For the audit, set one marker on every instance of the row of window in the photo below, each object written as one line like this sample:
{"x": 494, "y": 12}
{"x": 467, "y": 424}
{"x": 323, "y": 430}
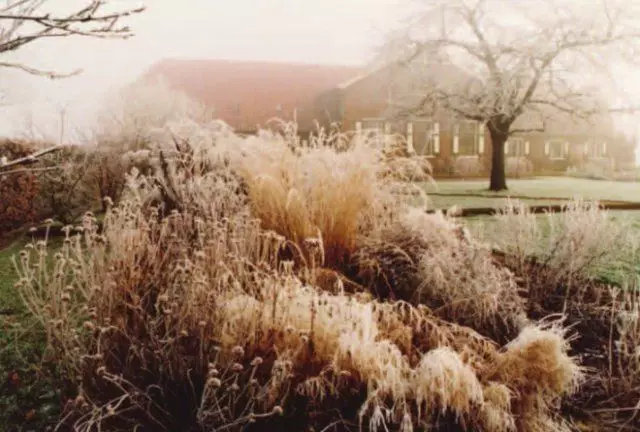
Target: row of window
{"x": 469, "y": 139}
{"x": 554, "y": 148}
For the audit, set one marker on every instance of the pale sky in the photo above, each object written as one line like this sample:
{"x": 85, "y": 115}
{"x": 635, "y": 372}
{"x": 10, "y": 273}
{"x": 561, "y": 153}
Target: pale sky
{"x": 326, "y": 31}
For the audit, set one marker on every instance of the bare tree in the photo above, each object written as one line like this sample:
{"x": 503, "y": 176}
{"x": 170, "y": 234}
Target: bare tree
{"x": 525, "y": 61}
{"x": 26, "y": 21}
{"x": 23, "y": 22}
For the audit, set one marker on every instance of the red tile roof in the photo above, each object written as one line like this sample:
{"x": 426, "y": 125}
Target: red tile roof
{"x": 246, "y": 94}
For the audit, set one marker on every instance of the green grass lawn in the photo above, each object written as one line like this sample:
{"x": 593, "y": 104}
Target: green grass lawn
{"x": 29, "y": 395}
{"x": 445, "y": 202}
{"x": 543, "y": 187}
{"x": 624, "y": 271}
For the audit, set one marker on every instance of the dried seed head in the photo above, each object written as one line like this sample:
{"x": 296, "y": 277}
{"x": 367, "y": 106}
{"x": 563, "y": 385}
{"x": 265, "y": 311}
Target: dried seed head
{"x": 256, "y": 361}
{"x": 65, "y": 297}
{"x": 234, "y": 387}
{"x": 277, "y": 410}
{"x": 88, "y": 325}
{"x": 184, "y": 333}
{"x": 214, "y": 382}
{"x": 237, "y": 367}
{"x": 237, "y": 351}
{"x": 202, "y": 323}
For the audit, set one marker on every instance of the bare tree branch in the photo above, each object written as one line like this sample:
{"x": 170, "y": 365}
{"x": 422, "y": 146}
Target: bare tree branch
{"x": 27, "y": 160}
{"x": 29, "y": 170}
{"x": 23, "y": 22}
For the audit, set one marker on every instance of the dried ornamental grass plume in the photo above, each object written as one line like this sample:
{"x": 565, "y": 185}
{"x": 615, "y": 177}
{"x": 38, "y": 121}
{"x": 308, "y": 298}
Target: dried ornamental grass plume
{"x": 428, "y": 259}
{"x": 298, "y": 191}
{"x": 190, "y": 318}
{"x": 495, "y": 413}
{"x": 560, "y": 248}
{"x": 443, "y": 380}
{"x": 536, "y": 366}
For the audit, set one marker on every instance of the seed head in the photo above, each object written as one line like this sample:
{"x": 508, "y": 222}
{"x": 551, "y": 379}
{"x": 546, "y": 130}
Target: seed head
{"x": 277, "y": 410}
{"x": 214, "y": 382}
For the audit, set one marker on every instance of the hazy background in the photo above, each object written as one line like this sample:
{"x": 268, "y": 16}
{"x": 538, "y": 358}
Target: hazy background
{"x": 310, "y": 31}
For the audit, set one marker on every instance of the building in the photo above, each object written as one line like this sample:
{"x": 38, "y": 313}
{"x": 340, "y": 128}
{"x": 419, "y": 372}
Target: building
{"x": 247, "y": 95}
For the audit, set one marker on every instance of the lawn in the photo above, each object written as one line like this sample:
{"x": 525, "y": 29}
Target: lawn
{"x": 537, "y": 191}
{"x": 484, "y": 227}
{"x": 29, "y": 397}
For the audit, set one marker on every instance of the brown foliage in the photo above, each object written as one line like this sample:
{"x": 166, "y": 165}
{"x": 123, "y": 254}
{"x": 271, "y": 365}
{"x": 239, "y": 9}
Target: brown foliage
{"x": 17, "y": 191}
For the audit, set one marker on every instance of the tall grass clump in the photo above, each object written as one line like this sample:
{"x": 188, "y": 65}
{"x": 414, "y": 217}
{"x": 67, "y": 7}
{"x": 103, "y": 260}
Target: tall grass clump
{"x": 570, "y": 247}
{"x": 429, "y": 259}
{"x": 314, "y": 190}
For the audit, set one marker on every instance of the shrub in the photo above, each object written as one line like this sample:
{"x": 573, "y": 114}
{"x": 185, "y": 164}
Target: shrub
{"x": 226, "y": 337}
{"x": 429, "y": 259}
{"x": 314, "y": 191}
{"x": 129, "y": 116}
{"x": 409, "y": 169}
{"x": 467, "y": 166}
{"x": 17, "y": 190}
{"x": 566, "y": 248}
{"x": 66, "y": 190}
{"x": 191, "y": 319}
{"x": 518, "y": 166}
{"x": 591, "y": 170}
{"x": 106, "y": 174}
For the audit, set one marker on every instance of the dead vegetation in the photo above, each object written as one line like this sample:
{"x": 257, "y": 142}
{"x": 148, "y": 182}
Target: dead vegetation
{"x": 256, "y": 284}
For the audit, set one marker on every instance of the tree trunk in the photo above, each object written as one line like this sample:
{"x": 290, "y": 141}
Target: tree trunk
{"x": 498, "y": 180}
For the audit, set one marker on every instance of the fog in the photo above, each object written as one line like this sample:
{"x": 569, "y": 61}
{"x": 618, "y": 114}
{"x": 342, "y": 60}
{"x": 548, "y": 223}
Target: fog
{"x": 310, "y": 31}
{"x": 327, "y": 31}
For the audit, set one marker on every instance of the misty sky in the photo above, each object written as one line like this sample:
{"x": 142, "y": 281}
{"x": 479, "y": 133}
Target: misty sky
{"x": 312, "y": 31}
{"x": 327, "y": 31}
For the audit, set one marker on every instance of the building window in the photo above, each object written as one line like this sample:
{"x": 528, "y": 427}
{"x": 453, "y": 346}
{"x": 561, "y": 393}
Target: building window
{"x": 595, "y": 149}
{"x": 375, "y": 129}
{"x": 466, "y": 138}
{"x": 425, "y": 135}
{"x": 556, "y": 149}
{"x": 516, "y": 147}
{"x": 375, "y": 124}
